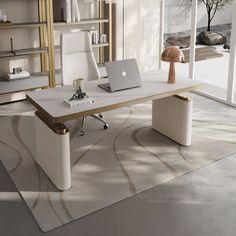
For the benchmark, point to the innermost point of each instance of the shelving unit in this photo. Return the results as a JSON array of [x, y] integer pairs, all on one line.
[[49, 77], [100, 21], [44, 78]]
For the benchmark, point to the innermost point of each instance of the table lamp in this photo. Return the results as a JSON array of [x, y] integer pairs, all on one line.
[[172, 54]]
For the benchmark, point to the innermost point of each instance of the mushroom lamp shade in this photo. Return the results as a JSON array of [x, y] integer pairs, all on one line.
[[172, 54]]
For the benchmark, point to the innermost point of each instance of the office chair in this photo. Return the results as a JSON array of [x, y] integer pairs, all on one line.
[[77, 61]]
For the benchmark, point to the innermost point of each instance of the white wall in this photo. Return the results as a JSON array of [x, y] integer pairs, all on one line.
[[178, 16], [140, 33]]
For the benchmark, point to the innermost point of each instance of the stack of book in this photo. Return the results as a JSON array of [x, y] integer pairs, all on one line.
[[22, 75], [66, 10], [81, 102]]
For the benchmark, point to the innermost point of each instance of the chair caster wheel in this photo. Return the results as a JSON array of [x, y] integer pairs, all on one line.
[[100, 115], [81, 133], [106, 126]]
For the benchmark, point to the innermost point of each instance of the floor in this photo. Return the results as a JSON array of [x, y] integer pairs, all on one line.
[[201, 203]]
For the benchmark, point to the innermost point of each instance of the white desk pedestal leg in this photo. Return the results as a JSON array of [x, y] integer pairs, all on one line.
[[53, 154], [172, 116]]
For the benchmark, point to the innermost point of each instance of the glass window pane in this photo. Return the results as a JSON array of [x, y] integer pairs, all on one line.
[[177, 31], [212, 53]]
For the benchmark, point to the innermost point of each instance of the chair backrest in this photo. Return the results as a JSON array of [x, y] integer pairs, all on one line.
[[77, 59]]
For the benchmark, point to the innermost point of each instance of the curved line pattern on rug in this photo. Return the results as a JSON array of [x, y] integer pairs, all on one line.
[[101, 139], [15, 128], [136, 140], [20, 159], [89, 149]]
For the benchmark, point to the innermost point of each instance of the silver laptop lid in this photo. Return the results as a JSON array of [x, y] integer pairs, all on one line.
[[123, 74]]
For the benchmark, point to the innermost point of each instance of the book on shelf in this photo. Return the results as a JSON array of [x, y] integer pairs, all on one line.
[[77, 13], [21, 75], [66, 11], [94, 36]]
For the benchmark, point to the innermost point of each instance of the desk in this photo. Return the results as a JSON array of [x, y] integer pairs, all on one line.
[[52, 136]]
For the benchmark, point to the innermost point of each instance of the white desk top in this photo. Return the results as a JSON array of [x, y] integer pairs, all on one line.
[[155, 86]]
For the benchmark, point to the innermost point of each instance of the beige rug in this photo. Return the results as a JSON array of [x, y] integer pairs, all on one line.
[[109, 166]]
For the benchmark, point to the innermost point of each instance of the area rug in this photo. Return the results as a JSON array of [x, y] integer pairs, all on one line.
[[112, 165]]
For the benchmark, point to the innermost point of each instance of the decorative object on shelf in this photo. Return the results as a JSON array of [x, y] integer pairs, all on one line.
[[75, 14], [18, 73], [103, 38], [94, 36], [17, 70], [78, 84], [66, 10], [172, 54], [12, 46], [3, 15]]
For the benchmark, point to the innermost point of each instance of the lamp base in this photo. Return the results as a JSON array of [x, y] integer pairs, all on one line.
[[171, 79]]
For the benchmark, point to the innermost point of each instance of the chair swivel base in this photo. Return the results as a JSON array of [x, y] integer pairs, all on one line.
[[99, 117]]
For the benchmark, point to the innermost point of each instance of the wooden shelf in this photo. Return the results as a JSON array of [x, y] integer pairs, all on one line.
[[6, 54], [36, 80], [22, 25], [82, 22], [23, 52], [98, 45]]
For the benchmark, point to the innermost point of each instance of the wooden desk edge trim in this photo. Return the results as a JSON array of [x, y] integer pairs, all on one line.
[[59, 129], [62, 119]]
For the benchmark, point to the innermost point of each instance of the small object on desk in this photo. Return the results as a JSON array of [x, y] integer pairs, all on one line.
[[78, 84], [172, 54], [79, 98], [79, 95]]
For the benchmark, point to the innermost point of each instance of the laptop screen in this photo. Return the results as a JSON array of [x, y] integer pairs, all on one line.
[[123, 74]]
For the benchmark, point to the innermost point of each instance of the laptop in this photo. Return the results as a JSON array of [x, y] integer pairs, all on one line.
[[122, 75]]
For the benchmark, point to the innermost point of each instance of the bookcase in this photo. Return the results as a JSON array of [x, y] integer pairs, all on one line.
[[102, 21], [44, 50], [47, 49]]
